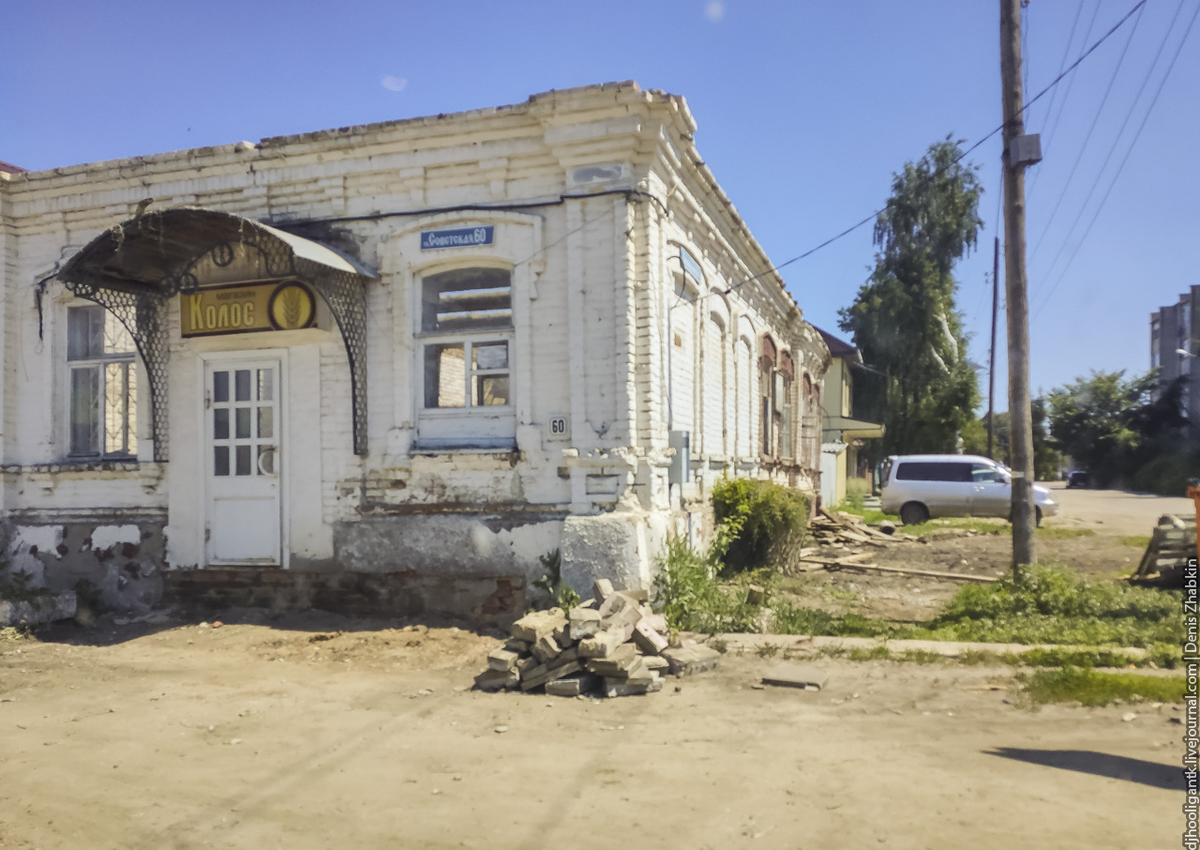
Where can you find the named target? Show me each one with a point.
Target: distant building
(841, 433)
(1173, 336)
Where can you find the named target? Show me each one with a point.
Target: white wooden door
(243, 462)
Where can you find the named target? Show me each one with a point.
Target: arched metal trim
(134, 269)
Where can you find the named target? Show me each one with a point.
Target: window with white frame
(466, 354)
(102, 383)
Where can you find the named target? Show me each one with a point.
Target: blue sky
(805, 110)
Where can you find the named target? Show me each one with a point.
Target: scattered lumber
(613, 644)
(852, 565)
(1172, 544)
(834, 528)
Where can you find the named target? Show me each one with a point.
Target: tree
(904, 319)
(1046, 457)
(1111, 426)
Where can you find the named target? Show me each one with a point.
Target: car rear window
(933, 471)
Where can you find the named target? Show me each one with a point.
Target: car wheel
(914, 513)
(1038, 517)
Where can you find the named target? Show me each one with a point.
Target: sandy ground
(1117, 511)
(314, 731)
(291, 734)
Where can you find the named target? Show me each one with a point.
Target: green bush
(771, 522)
(1167, 474)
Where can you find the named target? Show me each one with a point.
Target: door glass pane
(445, 376)
(220, 460)
(221, 386)
(266, 384)
(85, 410)
(242, 424)
(221, 423)
(492, 390)
(266, 460)
(117, 338)
(241, 385)
(243, 460)
(266, 422)
(131, 398)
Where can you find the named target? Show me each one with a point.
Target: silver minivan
(917, 487)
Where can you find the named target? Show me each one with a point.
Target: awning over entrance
(134, 269)
(852, 429)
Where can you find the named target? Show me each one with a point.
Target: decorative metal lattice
(143, 307)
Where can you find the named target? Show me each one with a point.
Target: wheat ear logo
(292, 306)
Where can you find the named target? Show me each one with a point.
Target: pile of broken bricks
(613, 643)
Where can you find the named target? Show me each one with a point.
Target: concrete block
(796, 676)
(546, 648)
(755, 595)
(686, 660)
(532, 626)
(573, 685)
(647, 639)
(585, 622)
(520, 647)
(497, 680)
(602, 644)
(558, 672)
(602, 589)
(526, 664)
(59, 606)
(656, 663)
(562, 636)
(618, 663)
(502, 660)
(623, 688)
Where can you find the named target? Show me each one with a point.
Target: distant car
(918, 487)
(1078, 478)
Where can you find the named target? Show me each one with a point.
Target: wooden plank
(910, 572)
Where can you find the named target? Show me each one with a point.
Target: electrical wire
(1087, 138)
(1067, 92)
(1129, 151)
(1116, 141)
(957, 159)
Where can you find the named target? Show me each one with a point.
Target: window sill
(474, 447)
(90, 465)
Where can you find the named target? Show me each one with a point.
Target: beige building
(392, 364)
(841, 433)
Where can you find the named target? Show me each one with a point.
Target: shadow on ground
(1154, 774)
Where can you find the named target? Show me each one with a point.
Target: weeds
(770, 523)
(1137, 541)
(551, 583)
(1056, 606)
(15, 587)
(768, 650)
(1092, 688)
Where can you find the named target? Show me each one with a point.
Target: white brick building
(400, 360)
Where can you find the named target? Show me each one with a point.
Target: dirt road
(255, 736)
(1116, 511)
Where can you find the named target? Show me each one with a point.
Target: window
(103, 385)
(934, 471)
(466, 356)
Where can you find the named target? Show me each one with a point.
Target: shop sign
(460, 237)
(285, 306)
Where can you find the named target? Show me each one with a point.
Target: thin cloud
(715, 11)
(393, 83)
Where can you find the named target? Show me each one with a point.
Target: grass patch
(1057, 606)
(875, 653)
(1057, 532)
(1137, 541)
(1092, 688)
(980, 525)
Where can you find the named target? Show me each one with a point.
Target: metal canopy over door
(243, 462)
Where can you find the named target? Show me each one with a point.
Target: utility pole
(1020, 426)
(992, 366)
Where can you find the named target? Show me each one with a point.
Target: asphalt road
(1117, 511)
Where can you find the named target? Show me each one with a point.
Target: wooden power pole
(1016, 287)
(992, 355)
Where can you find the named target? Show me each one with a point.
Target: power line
(1062, 64)
(1088, 136)
(1070, 84)
(1162, 83)
(956, 160)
